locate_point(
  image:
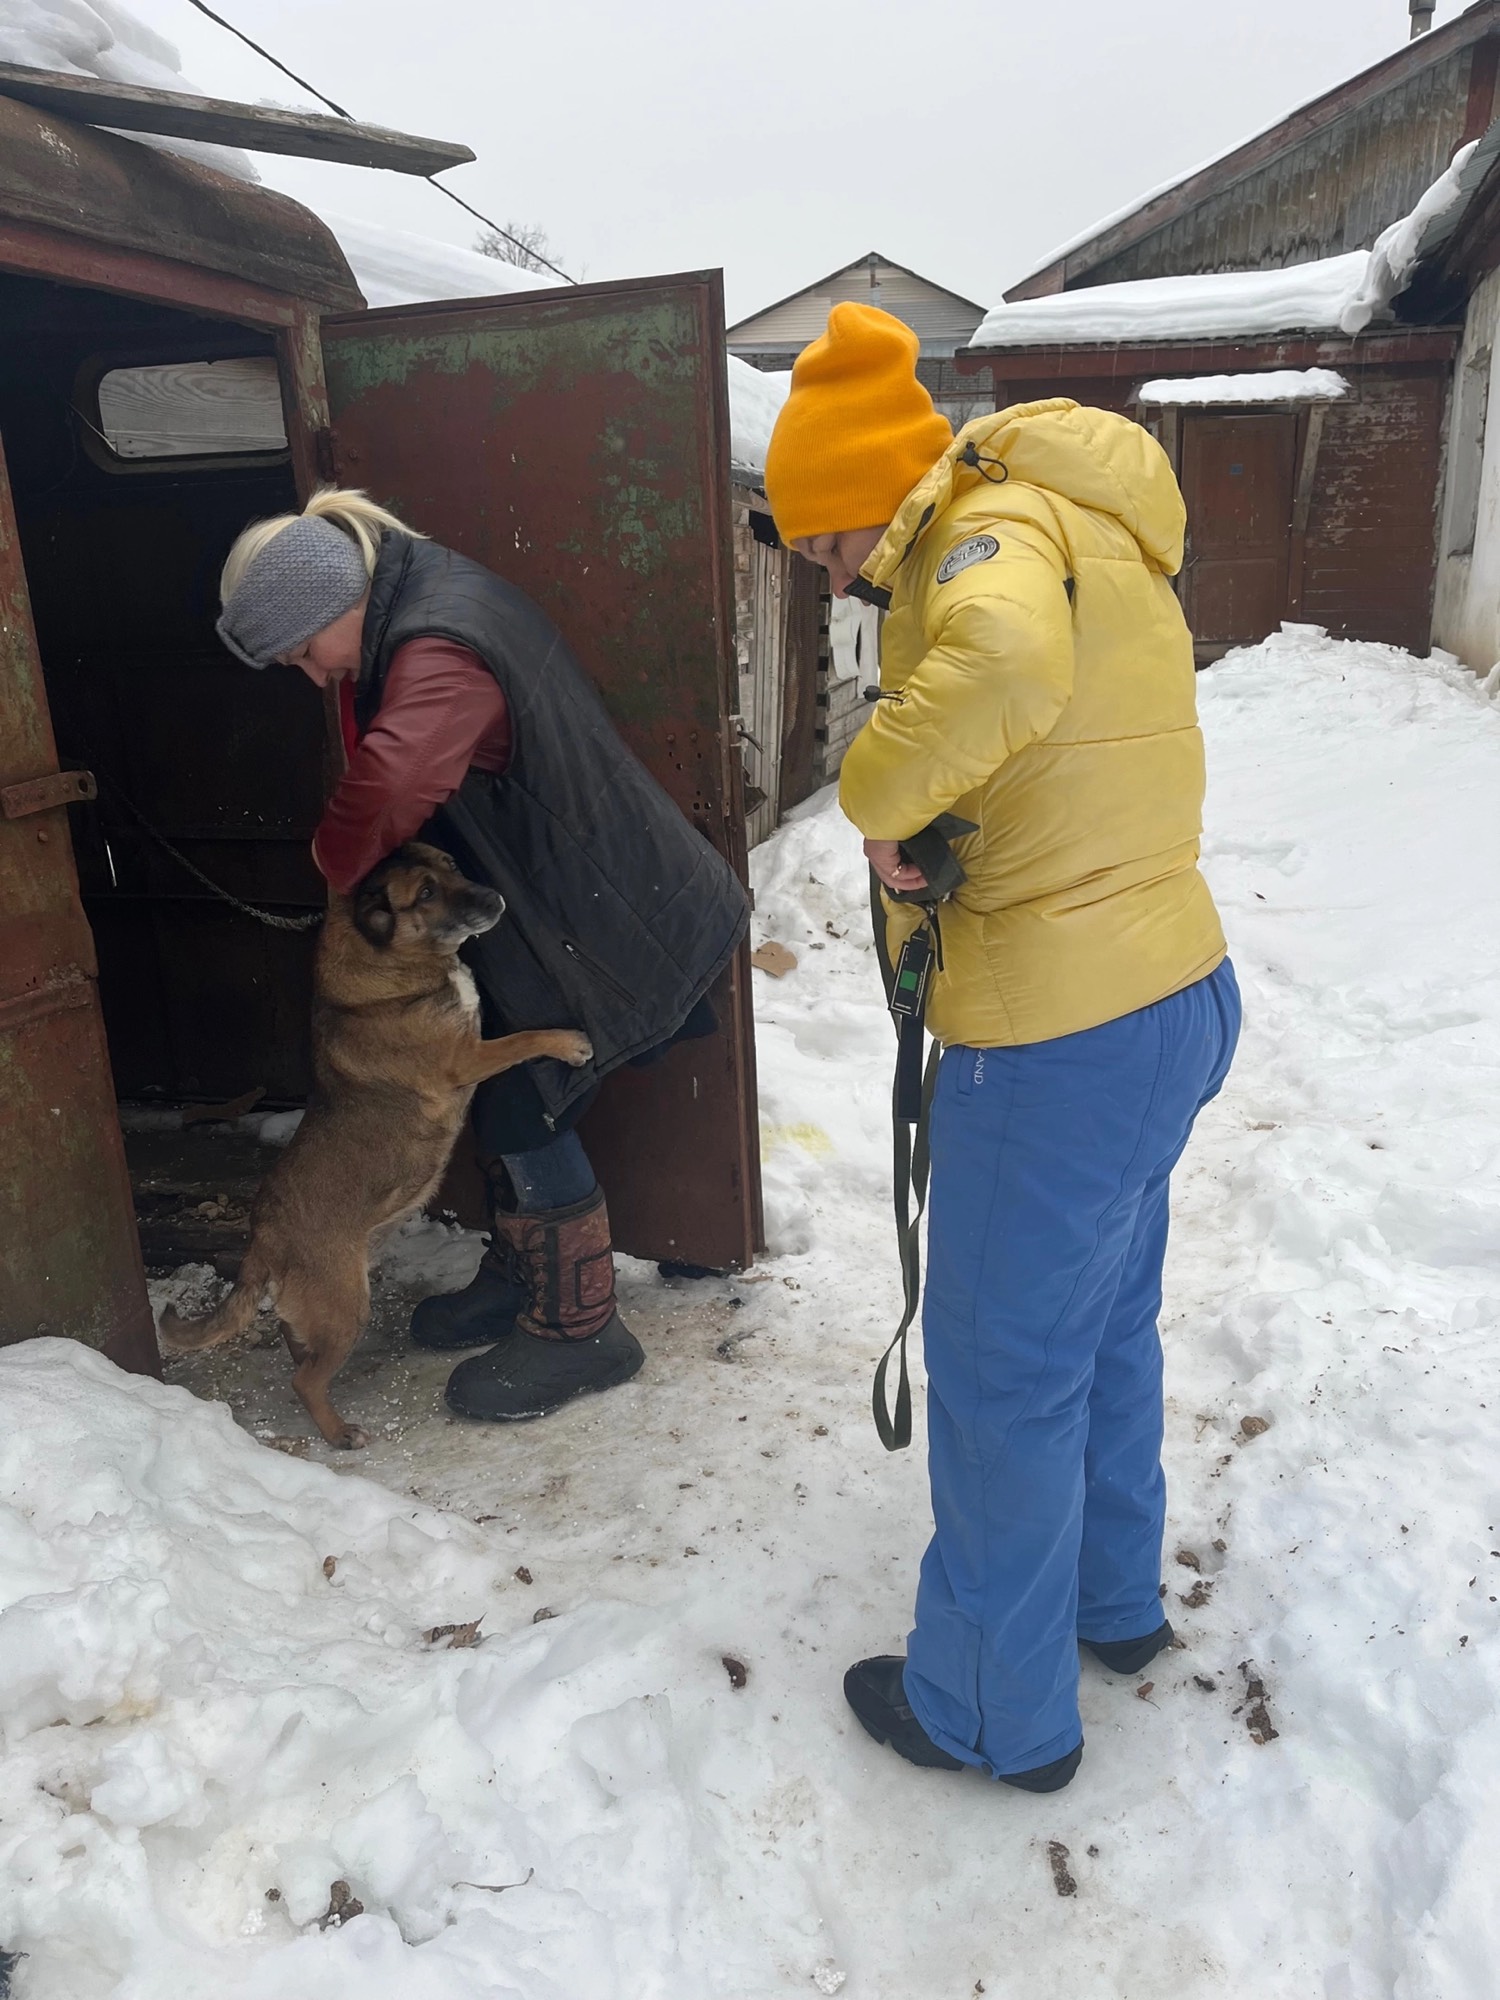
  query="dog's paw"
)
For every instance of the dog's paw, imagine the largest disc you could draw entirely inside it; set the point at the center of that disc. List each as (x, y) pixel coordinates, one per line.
(350, 1438)
(575, 1050)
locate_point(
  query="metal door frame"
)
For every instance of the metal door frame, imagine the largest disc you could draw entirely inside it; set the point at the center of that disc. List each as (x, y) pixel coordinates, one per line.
(315, 457)
(70, 987)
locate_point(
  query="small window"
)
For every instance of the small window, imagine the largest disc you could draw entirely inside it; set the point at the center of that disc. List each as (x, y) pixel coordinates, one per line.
(193, 409)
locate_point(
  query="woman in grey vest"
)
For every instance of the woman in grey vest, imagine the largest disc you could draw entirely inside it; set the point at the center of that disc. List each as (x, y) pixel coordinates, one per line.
(467, 719)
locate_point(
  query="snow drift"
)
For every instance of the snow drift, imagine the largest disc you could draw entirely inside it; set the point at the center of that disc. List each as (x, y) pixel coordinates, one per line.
(205, 1729)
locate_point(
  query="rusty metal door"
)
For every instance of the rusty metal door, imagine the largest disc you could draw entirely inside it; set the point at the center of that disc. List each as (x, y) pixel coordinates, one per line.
(70, 1262)
(576, 442)
(1237, 479)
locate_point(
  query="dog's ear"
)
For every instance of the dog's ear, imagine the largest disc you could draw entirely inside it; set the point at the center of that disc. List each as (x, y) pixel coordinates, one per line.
(374, 918)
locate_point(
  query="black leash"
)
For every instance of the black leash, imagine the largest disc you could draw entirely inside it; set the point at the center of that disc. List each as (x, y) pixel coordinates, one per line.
(911, 1111)
(906, 983)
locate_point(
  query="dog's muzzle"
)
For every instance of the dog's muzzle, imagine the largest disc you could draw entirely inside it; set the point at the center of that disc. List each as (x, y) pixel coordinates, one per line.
(479, 911)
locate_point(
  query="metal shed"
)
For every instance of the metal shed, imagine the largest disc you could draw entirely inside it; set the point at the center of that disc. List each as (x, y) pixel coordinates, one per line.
(577, 440)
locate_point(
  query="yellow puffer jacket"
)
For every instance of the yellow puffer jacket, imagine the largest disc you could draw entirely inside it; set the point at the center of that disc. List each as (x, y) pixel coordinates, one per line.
(1043, 686)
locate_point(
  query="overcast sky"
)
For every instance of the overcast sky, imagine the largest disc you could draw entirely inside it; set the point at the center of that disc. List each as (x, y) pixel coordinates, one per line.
(784, 138)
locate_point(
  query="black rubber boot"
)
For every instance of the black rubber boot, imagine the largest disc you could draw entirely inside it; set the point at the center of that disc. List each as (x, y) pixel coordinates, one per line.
(569, 1340)
(1128, 1656)
(876, 1690)
(485, 1310)
(528, 1377)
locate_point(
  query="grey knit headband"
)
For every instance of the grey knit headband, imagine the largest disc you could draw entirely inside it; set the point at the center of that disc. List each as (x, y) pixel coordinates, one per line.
(304, 578)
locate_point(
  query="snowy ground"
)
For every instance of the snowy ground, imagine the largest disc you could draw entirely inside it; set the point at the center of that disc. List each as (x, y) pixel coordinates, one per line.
(218, 1697)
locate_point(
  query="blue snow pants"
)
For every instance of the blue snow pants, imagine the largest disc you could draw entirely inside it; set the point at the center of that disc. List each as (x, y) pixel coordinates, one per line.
(1046, 1237)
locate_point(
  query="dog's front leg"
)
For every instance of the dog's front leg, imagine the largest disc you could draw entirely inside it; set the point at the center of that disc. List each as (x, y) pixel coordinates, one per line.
(477, 1060)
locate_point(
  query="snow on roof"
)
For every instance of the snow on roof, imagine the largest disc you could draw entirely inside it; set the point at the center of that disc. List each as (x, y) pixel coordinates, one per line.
(1333, 295)
(1398, 250)
(100, 38)
(1307, 297)
(396, 267)
(755, 401)
(1273, 385)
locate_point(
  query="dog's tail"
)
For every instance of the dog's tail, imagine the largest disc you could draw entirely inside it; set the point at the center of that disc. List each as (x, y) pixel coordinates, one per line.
(181, 1336)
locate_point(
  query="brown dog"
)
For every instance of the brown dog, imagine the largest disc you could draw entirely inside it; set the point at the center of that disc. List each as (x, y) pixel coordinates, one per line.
(396, 1057)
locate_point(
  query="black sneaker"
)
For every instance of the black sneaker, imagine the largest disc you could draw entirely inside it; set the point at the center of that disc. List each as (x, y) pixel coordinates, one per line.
(1128, 1656)
(876, 1691)
(527, 1377)
(483, 1312)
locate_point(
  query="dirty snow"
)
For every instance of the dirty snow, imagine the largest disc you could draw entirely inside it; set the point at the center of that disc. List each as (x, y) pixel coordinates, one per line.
(1273, 385)
(195, 1715)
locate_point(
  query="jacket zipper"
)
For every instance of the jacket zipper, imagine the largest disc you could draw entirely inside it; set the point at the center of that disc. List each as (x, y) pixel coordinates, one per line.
(597, 972)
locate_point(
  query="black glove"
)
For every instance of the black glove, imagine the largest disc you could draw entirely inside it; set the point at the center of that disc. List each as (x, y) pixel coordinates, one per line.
(930, 851)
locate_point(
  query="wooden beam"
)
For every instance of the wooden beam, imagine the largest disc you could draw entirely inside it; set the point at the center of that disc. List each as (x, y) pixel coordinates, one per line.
(175, 114)
(1307, 478)
(1415, 347)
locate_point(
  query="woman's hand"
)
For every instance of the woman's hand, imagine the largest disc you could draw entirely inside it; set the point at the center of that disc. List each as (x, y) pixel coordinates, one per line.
(884, 856)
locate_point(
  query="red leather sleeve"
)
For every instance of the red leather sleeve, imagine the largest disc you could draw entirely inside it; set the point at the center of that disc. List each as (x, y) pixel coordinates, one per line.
(442, 711)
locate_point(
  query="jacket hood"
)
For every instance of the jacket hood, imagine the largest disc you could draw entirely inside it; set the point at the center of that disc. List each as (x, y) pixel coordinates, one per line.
(1093, 458)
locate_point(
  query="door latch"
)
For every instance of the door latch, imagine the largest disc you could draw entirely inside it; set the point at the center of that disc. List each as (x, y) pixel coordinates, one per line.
(58, 788)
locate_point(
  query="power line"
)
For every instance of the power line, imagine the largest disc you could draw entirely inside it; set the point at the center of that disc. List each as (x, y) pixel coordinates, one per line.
(431, 179)
(275, 61)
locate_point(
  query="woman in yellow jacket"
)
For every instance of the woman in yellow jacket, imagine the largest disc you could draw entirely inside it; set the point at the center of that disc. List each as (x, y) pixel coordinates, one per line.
(1038, 682)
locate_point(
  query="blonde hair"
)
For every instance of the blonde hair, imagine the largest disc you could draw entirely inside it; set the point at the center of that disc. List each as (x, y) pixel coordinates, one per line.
(362, 519)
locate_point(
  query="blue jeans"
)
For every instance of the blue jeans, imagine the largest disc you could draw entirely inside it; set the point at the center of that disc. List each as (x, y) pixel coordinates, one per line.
(550, 1177)
(1048, 1229)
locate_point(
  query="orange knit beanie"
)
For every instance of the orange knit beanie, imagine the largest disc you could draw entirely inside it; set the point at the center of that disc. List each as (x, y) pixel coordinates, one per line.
(857, 431)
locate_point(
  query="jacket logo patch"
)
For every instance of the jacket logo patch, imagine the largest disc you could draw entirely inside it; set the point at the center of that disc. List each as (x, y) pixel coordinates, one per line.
(977, 549)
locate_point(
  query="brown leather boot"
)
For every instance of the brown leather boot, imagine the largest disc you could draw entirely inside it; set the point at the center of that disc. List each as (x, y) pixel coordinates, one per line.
(570, 1338)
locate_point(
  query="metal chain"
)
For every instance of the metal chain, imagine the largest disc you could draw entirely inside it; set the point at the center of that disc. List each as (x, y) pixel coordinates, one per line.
(267, 917)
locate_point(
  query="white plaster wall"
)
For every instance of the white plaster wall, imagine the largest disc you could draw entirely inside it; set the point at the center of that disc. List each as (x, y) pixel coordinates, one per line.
(1466, 605)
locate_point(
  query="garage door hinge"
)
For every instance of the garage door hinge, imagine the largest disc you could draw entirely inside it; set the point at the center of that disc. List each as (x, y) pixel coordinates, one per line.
(58, 788)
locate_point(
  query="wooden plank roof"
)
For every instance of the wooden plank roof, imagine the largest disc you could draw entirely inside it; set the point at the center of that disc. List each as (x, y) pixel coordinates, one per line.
(1071, 267)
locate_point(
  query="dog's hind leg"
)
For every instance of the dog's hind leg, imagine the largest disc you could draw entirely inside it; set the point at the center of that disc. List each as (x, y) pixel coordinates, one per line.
(323, 1315)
